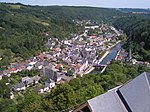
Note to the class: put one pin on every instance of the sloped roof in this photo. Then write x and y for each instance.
(134, 96)
(19, 85)
(50, 81)
(36, 78)
(137, 93)
(25, 79)
(108, 102)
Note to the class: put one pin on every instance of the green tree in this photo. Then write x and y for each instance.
(63, 97)
(75, 83)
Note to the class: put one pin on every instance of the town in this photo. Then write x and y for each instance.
(65, 59)
(74, 56)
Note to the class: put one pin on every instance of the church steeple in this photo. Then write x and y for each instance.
(130, 55)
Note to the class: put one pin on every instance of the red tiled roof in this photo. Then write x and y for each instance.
(94, 36)
(78, 66)
(57, 49)
(41, 56)
(13, 69)
(119, 57)
(58, 65)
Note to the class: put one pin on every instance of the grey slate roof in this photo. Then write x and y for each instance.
(50, 81)
(137, 93)
(1, 72)
(36, 78)
(133, 96)
(19, 85)
(25, 79)
(49, 73)
(108, 102)
(29, 82)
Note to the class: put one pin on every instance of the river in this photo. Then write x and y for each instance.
(112, 54)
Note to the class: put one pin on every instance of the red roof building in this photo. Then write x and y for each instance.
(41, 56)
(78, 66)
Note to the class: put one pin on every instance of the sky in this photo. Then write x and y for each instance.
(95, 3)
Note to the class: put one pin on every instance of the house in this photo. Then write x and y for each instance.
(13, 70)
(39, 65)
(33, 63)
(134, 96)
(1, 74)
(84, 66)
(11, 95)
(46, 87)
(41, 56)
(36, 79)
(30, 81)
(24, 79)
(57, 76)
(59, 66)
(50, 44)
(21, 66)
(28, 66)
(1, 77)
(78, 66)
(51, 73)
(41, 90)
(56, 54)
(19, 87)
(65, 78)
(46, 71)
(91, 27)
(83, 53)
(50, 83)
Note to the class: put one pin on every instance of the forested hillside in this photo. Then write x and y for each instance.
(87, 13)
(138, 32)
(24, 31)
(70, 12)
(133, 10)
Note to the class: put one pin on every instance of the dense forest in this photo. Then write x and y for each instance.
(135, 10)
(138, 32)
(65, 97)
(25, 31)
(70, 12)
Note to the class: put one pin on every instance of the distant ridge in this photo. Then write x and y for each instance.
(135, 10)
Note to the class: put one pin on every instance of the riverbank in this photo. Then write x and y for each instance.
(103, 56)
(107, 52)
(114, 45)
(113, 52)
(117, 54)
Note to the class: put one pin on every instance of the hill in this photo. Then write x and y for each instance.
(135, 10)
(24, 31)
(138, 32)
(23, 28)
(83, 13)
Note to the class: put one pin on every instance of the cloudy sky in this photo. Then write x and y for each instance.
(96, 3)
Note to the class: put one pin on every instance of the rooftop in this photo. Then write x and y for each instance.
(106, 102)
(134, 96)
